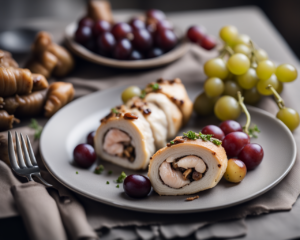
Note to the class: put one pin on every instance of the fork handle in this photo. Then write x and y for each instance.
(38, 175)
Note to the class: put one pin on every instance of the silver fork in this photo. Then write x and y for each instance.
(24, 170)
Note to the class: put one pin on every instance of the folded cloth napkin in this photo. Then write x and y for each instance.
(123, 224)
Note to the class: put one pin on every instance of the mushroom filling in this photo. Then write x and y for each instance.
(177, 173)
(119, 143)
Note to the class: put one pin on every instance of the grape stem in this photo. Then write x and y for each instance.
(253, 57)
(226, 49)
(243, 106)
(278, 99)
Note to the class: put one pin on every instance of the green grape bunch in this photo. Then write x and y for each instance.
(241, 67)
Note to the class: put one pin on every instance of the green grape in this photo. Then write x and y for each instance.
(279, 89)
(228, 34)
(242, 48)
(231, 88)
(248, 80)
(242, 39)
(262, 85)
(260, 55)
(227, 108)
(213, 87)
(289, 117)
(204, 105)
(130, 92)
(286, 73)
(251, 96)
(265, 69)
(216, 67)
(238, 64)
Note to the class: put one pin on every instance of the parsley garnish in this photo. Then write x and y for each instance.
(114, 110)
(155, 86)
(38, 129)
(110, 172)
(76, 172)
(121, 177)
(205, 137)
(117, 186)
(99, 169)
(172, 142)
(107, 182)
(143, 94)
(191, 135)
(253, 130)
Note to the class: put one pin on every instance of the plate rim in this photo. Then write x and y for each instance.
(140, 209)
(169, 57)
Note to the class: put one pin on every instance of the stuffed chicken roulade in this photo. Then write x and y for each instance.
(187, 166)
(125, 138)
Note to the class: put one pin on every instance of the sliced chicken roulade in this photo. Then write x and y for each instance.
(155, 117)
(187, 166)
(125, 138)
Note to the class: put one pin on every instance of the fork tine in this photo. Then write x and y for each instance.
(38, 175)
(11, 152)
(31, 153)
(19, 152)
(27, 159)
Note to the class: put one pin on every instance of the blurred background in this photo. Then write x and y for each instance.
(283, 14)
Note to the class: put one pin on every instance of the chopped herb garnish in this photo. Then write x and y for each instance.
(99, 169)
(172, 142)
(205, 137)
(143, 94)
(121, 177)
(155, 86)
(216, 141)
(191, 135)
(110, 172)
(107, 182)
(38, 129)
(253, 130)
(76, 172)
(114, 110)
(117, 186)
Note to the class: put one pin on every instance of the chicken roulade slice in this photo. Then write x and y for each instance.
(155, 117)
(125, 138)
(187, 167)
(172, 113)
(176, 91)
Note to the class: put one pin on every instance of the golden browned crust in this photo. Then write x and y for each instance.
(39, 82)
(6, 60)
(6, 120)
(100, 10)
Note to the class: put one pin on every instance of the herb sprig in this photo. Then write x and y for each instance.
(114, 110)
(155, 86)
(205, 137)
(121, 177)
(38, 128)
(253, 131)
(99, 169)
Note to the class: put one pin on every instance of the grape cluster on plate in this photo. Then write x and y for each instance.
(242, 154)
(143, 37)
(197, 34)
(242, 67)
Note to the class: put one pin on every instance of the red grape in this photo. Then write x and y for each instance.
(156, 14)
(84, 155)
(142, 39)
(136, 23)
(196, 33)
(106, 43)
(214, 130)
(208, 43)
(234, 142)
(229, 126)
(137, 186)
(86, 21)
(164, 24)
(123, 49)
(135, 55)
(252, 155)
(155, 52)
(90, 138)
(83, 34)
(100, 27)
(121, 30)
(166, 39)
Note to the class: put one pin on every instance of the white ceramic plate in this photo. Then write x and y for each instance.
(166, 58)
(71, 125)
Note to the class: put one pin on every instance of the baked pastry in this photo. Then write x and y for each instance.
(6, 120)
(187, 166)
(100, 10)
(6, 60)
(125, 138)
